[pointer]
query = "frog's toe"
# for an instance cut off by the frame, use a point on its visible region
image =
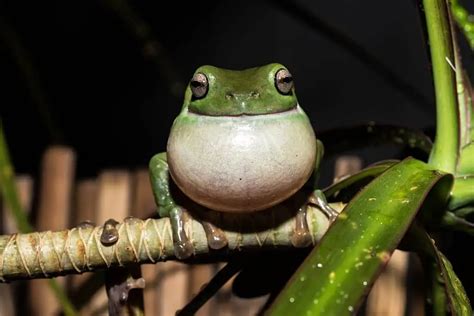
(318, 199)
(301, 239)
(216, 238)
(183, 249)
(217, 241)
(301, 235)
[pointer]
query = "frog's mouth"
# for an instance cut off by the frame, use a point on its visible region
(245, 112)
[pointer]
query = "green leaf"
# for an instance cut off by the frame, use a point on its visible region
(357, 180)
(341, 269)
(451, 221)
(446, 287)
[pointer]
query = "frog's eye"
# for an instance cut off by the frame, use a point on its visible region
(199, 85)
(283, 81)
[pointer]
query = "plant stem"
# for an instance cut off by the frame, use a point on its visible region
(34, 255)
(464, 20)
(8, 187)
(445, 149)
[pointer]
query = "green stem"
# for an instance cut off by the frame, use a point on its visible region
(436, 304)
(63, 300)
(8, 187)
(445, 149)
(464, 20)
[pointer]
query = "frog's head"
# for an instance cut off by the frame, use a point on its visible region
(220, 92)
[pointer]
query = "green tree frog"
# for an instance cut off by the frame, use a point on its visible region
(241, 143)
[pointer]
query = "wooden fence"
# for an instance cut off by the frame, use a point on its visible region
(61, 202)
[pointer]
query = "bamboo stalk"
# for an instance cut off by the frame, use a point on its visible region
(172, 288)
(388, 295)
(199, 275)
(57, 174)
(143, 204)
(85, 201)
(345, 166)
(416, 281)
(113, 201)
(24, 186)
(84, 210)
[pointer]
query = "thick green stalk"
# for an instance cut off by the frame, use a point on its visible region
(445, 149)
(35, 255)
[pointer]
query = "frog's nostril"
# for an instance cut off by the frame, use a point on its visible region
(229, 96)
(254, 94)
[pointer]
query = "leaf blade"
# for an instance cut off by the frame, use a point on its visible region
(339, 271)
(446, 287)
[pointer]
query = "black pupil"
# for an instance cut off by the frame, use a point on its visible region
(196, 84)
(287, 79)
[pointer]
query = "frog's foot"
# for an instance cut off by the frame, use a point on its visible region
(318, 199)
(301, 235)
(110, 233)
(216, 238)
(183, 247)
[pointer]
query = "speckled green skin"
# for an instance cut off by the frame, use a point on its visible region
(242, 147)
(237, 92)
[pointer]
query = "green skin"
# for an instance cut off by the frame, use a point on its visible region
(242, 147)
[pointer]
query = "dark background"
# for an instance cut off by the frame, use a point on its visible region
(112, 101)
(111, 80)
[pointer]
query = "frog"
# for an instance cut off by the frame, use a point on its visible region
(240, 144)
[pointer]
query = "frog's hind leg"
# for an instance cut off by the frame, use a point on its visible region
(167, 206)
(302, 236)
(318, 199)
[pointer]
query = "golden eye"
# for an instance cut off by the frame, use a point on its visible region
(283, 81)
(199, 85)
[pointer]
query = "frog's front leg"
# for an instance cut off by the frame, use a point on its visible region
(167, 207)
(317, 198)
(302, 235)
